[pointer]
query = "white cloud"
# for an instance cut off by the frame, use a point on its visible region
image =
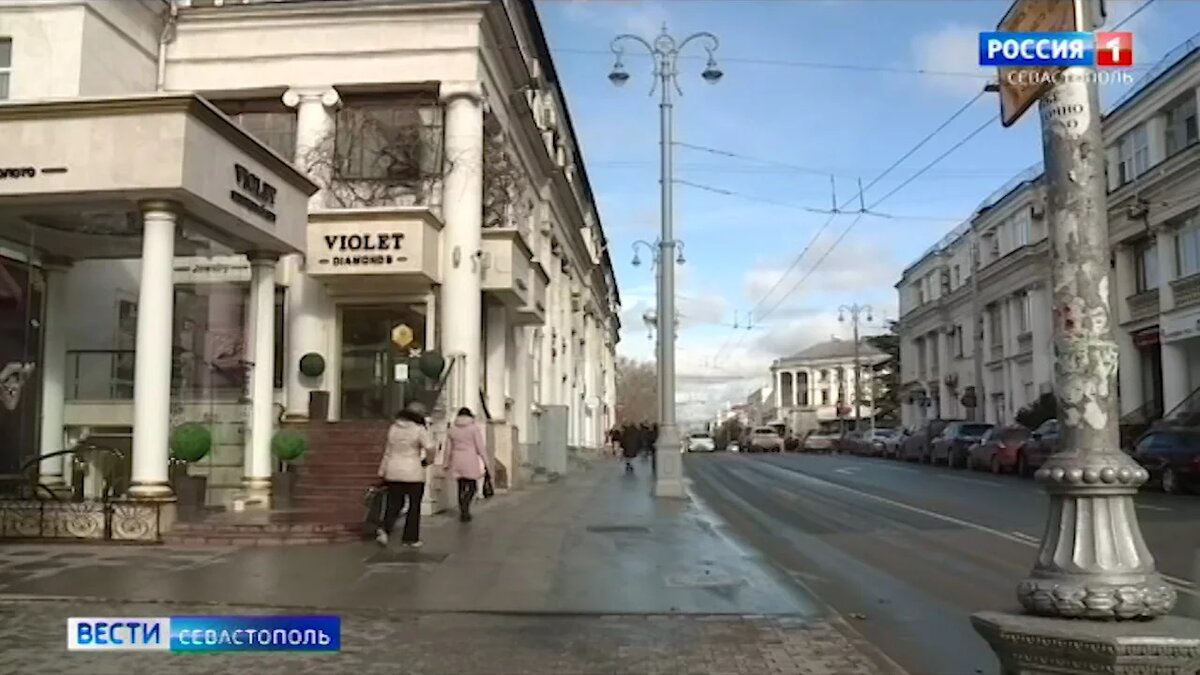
(856, 265)
(953, 48)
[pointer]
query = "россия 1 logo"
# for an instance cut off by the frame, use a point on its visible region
(1107, 50)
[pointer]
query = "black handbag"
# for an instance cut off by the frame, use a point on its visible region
(376, 503)
(488, 489)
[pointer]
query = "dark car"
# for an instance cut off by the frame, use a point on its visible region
(950, 447)
(1172, 457)
(998, 450)
(916, 446)
(1042, 443)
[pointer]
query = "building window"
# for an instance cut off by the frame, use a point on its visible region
(1133, 155)
(919, 287)
(994, 320)
(1187, 248)
(959, 346)
(1181, 124)
(270, 122)
(824, 397)
(919, 345)
(1020, 229)
(1146, 262)
(5, 66)
(389, 139)
(957, 276)
(1024, 313)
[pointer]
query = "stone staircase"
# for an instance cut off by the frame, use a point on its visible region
(342, 462)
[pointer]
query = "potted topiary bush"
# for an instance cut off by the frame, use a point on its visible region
(288, 446)
(190, 442)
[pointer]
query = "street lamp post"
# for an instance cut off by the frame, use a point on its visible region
(855, 311)
(664, 51)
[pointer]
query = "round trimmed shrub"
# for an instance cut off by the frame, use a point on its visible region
(288, 445)
(191, 442)
(312, 364)
(431, 364)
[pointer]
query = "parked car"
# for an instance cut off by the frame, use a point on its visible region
(874, 442)
(950, 447)
(999, 449)
(891, 444)
(1172, 457)
(819, 441)
(733, 446)
(1042, 443)
(701, 443)
(765, 439)
(916, 446)
(848, 442)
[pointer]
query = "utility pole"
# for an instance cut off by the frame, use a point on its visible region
(1093, 567)
(978, 412)
(855, 312)
(664, 53)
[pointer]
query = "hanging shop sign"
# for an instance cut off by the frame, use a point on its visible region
(1147, 338)
(253, 193)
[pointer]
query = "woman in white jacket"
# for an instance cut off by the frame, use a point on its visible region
(408, 451)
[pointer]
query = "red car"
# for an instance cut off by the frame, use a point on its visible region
(999, 449)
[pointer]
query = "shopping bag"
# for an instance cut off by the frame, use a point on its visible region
(376, 503)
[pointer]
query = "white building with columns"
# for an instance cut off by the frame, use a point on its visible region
(1153, 166)
(811, 385)
(199, 188)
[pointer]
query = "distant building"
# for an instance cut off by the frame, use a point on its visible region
(813, 383)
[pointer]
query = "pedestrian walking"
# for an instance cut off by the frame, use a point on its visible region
(466, 459)
(408, 451)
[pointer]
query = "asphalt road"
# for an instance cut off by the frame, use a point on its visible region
(908, 551)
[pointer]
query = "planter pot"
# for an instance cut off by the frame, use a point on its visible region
(283, 489)
(189, 495)
(318, 406)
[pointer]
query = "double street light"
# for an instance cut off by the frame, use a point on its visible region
(855, 311)
(664, 51)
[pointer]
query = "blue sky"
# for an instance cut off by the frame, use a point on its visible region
(818, 121)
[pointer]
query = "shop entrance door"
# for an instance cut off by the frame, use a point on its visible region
(379, 349)
(20, 350)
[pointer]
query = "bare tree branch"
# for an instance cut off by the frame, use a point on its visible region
(637, 392)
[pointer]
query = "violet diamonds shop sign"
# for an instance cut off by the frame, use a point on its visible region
(364, 249)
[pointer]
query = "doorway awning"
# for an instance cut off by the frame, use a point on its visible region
(74, 171)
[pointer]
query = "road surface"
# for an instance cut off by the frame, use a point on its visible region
(908, 552)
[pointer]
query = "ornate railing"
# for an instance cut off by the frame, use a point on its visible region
(31, 509)
(1143, 305)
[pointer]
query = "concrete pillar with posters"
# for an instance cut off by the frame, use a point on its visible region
(1094, 600)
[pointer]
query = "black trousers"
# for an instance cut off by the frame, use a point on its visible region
(466, 495)
(398, 493)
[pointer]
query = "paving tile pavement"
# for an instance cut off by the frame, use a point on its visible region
(33, 633)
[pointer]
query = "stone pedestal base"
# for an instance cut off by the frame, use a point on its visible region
(1031, 645)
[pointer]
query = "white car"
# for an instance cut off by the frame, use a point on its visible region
(701, 443)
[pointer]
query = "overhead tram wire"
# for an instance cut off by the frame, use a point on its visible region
(916, 175)
(858, 197)
(810, 209)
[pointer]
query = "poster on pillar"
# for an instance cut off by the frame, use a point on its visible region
(21, 289)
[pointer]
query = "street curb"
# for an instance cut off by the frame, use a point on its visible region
(832, 616)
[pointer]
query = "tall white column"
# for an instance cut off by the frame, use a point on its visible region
(462, 210)
(946, 393)
(520, 375)
(1174, 375)
(497, 359)
(1164, 241)
(54, 375)
(1043, 341)
(1129, 372)
(256, 477)
(590, 387)
(306, 328)
(152, 367)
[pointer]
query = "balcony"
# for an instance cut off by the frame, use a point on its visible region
(507, 267)
(1143, 305)
(393, 248)
(997, 351)
(533, 312)
(1186, 290)
(1025, 343)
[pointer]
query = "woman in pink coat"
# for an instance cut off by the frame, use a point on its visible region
(465, 458)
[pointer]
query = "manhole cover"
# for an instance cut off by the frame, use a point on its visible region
(405, 558)
(619, 529)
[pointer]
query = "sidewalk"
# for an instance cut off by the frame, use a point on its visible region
(586, 575)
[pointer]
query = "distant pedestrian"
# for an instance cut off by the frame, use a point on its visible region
(466, 458)
(408, 451)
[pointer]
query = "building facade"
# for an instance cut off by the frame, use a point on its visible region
(400, 182)
(816, 386)
(1153, 168)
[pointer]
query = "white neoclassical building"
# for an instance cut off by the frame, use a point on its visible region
(817, 384)
(1153, 166)
(197, 197)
